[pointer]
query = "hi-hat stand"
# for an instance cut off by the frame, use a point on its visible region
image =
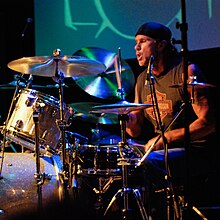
(125, 190)
(123, 161)
(103, 185)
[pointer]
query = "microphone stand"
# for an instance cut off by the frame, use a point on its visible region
(183, 28)
(169, 190)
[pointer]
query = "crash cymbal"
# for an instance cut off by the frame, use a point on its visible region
(46, 66)
(122, 107)
(105, 85)
(81, 110)
(194, 84)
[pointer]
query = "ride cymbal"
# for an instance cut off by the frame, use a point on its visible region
(47, 66)
(120, 108)
(194, 84)
(81, 110)
(104, 85)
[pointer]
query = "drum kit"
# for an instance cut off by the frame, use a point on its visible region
(38, 121)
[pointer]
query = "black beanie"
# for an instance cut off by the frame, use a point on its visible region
(155, 30)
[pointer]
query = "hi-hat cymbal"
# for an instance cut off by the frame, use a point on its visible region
(120, 108)
(47, 65)
(194, 84)
(81, 110)
(105, 85)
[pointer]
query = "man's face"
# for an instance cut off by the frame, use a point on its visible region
(144, 47)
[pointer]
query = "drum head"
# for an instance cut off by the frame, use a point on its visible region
(19, 192)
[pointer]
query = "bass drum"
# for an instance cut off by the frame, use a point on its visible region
(19, 192)
(21, 126)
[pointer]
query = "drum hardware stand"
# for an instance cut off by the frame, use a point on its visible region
(4, 131)
(124, 162)
(73, 168)
(39, 177)
(125, 190)
(73, 161)
(59, 77)
(184, 52)
(104, 184)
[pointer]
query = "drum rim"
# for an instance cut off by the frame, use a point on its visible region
(49, 99)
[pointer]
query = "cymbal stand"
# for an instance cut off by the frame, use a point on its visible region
(39, 177)
(125, 190)
(64, 175)
(15, 97)
(184, 52)
(4, 134)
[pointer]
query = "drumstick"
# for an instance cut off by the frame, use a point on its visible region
(146, 154)
(117, 74)
(168, 126)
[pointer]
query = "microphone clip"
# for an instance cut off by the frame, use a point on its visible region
(149, 77)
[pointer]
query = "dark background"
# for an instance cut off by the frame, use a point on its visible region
(14, 15)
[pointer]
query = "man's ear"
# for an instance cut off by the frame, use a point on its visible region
(162, 44)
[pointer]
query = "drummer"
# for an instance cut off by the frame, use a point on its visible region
(164, 68)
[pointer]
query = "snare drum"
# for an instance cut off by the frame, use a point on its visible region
(104, 159)
(98, 160)
(21, 126)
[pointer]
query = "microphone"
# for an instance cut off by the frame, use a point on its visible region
(29, 20)
(149, 69)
